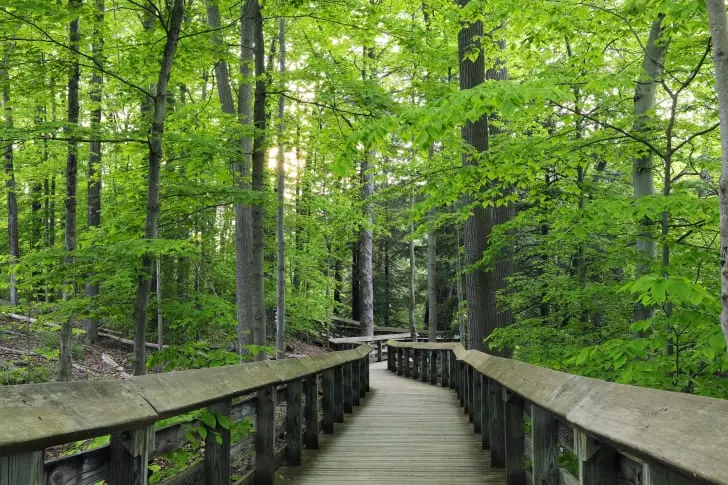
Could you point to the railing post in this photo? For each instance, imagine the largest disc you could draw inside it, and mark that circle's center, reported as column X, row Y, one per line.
column 543, row 445
column 311, row 413
column 356, row 382
column 294, row 424
column 654, row 474
column 515, row 473
column 461, row 383
column 444, row 368
column 217, row 456
column 477, row 403
column 265, row 436
column 390, row 359
column 467, row 370
column 339, row 394
column 130, row 452
column 416, row 364
column 453, row 370
column 432, row 354
column 598, row 464
column 496, row 425
column 400, row 361
column 379, row 350
column 329, row 398
column 484, row 416
column 423, row 366
column 348, row 391
column 22, row 469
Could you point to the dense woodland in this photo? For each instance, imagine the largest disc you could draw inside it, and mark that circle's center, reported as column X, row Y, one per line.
column 540, row 178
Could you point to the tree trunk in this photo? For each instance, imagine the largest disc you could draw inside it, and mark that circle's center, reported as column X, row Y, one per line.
column 64, row 369
column 366, row 243
column 259, row 152
column 93, row 216
column 432, row 285
column 459, row 288
column 642, row 176
column 355, row 279
column 281, row 188
column 411, row 306
column 156, row 153
column 13, row 231
column 719, row 35
column 475, row 134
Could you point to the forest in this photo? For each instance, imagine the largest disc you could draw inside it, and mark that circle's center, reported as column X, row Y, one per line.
column 212, row 179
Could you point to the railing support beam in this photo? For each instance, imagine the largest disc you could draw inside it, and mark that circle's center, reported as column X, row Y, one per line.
column 311, row 413
column 513, row 407
column 130, row 454
column 217, row 455
column 598, row 464
column 496, row 425
column 25, row 468
column 294, row 422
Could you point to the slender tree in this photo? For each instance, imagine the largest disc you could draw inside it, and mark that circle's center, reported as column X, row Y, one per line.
column 281, row 188
column 156, row 154
column 13, row 229
column 719, row 35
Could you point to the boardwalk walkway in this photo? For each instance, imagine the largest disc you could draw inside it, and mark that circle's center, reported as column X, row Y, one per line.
column 405, row 432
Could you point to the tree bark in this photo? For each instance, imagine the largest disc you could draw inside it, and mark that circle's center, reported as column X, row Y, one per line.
column 355, row 279
column 259, row 151
column 411, row 305
column 93, row 216
column 432, row 284
column 719, row 35
column 13, row 230
column 156, row 153
column 64, row 369
column 366, row 244
column 475, row 134
column 642, row 175
column 281, row 188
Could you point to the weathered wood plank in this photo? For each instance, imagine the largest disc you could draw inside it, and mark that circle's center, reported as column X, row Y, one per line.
column 265, row 437
column 513, row 408
column 217, row 455
column 348, row 389
column 484, row 416
column 294, row 422
column 328, row 401
column 544, row 440
column 496, row 424
column 416, row 364
column 432, row 355
column 24, row 468
column 654, row 474
column 598, row 464
column 311, row 413
column 130, row 453
column 444, row 368
column 477, row 413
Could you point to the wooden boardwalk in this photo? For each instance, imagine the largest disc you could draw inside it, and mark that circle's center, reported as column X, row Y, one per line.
column 405, row 432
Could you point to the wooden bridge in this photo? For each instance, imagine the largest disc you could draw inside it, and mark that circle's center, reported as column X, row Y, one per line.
column 436, row 414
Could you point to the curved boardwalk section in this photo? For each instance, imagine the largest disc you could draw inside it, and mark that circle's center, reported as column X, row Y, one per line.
column 405, row 432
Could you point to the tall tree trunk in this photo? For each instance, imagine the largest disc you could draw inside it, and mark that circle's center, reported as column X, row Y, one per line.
column 156, row 153
column 719, row 35
column 642, row 176
column 459, row 288
column 411, row 303
column 475, row 134
column 241, row 163
column 93, row 216
column 355, row 282
column 281, row 188
column 13, row 231
column 259, row 151
column 432, row 284
column 64, row 370
column 366, row 244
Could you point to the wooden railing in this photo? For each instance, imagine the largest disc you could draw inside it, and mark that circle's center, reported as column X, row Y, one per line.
column 617, row 434
column 377, row 341
column 37, row 416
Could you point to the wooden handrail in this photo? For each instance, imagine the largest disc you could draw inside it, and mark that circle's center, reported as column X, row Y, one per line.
column 37, row 416
column 676, row 438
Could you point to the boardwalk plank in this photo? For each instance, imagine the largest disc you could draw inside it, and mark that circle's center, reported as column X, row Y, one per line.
column 405, row 432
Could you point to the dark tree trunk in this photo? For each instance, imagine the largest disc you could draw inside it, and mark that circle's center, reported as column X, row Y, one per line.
column 258, row 175
column 355, row 294
column 13, row 231
column 478, row 283
column 156, row 153
column 64, row 370
column 93, row 216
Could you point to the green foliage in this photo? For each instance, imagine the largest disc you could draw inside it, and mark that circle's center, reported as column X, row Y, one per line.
column 27, row 373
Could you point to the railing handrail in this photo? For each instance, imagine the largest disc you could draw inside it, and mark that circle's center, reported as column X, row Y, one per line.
column 37, row 416
column 369, row 338
column 648, row 423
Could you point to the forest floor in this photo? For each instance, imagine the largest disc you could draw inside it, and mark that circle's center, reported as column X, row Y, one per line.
column 29, row 354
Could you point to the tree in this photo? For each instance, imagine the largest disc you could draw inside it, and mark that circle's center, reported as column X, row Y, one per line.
column 719, row 34
column 281, row 189
column 156, row 155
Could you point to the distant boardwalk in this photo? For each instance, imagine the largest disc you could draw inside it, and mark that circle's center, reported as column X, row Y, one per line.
column 405, row 432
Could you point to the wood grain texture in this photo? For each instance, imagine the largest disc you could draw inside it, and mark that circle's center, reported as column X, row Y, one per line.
column 405, row 432
column 311, row 438
column 217, row 455
column 25, row 468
